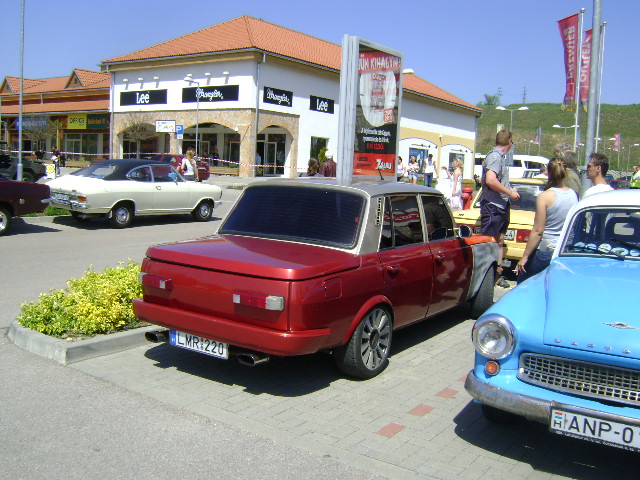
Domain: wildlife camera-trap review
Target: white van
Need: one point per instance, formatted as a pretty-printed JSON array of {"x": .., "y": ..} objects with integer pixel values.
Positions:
[{"x": 521, "y": 163}]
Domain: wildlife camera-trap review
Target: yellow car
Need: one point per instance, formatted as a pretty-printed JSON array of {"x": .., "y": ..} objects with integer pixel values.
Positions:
[{"x": 522, "y": 213}]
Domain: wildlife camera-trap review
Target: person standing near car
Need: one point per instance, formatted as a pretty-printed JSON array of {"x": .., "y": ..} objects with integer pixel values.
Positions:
[
  {"x": 188, "y": 166},
  {"x": 597, "y": 168},
  {"x": 552, "y": 208},
  {"x": 635, "y": 179},
  {"x": 429, "y": 169},
  {"x": 328, "y": 168},
  {"x": 496, "y": 195}
]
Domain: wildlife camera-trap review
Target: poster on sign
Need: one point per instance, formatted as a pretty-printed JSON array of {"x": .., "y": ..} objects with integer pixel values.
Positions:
[
  {"x": 377, "y": 113},
  {"x": 369, "y": 111}
]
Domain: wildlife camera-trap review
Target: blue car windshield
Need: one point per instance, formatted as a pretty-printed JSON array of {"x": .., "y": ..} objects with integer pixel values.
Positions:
[
  {"x": 310, "y": 215},
  {"x": 614, "y": 232}
]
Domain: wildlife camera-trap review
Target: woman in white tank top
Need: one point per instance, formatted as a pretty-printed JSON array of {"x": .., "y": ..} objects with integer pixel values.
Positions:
[{"x": 552, "y": 207}]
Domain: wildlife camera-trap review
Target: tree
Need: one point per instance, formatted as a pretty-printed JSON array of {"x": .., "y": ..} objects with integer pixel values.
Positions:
[
  {"x": 41, "y": 134},
  {"x": 490, "y": 100},
  {"x": 136, "y": 128}
]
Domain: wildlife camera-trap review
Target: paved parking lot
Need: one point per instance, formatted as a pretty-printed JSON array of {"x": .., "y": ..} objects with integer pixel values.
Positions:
[{"x": 413, "y": 421}]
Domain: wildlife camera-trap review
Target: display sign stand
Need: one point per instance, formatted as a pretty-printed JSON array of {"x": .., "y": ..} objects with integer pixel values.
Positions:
[{"x": 369, "y": 114}]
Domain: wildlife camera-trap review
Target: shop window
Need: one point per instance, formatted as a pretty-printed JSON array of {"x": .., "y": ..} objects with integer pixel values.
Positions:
[{"x": 318, "y": 146}]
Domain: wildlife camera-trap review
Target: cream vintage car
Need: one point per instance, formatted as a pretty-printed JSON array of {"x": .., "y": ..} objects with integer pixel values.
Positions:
[{"x": 121, "y": 189}]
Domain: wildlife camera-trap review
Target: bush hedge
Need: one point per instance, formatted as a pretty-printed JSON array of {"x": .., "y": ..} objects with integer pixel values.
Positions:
[{"x": 94, "y": 304}]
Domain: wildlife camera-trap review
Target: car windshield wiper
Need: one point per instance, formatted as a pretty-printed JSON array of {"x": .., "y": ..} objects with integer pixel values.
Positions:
[{"x": 602, "y": 252}]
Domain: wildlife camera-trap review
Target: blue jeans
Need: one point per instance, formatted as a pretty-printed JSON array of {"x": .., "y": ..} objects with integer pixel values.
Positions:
[
  {"x": 428, "y": 178},
  {"x": 537, "y": 263}
]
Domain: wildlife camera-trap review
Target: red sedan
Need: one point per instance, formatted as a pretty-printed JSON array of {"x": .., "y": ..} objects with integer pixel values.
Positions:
[{"x": 301, "y": 266}]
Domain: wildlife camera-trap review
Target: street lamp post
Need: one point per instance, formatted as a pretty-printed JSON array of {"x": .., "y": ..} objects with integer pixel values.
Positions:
[
  {"x": 511, "y": 151},
  {"x": 500, "y": 107},
  {"x": 190, "y": 80},
  {"x": 565, "y": 130}
]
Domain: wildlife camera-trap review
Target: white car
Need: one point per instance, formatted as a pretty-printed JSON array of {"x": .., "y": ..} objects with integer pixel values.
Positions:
[{"x": 122, "y": 189}]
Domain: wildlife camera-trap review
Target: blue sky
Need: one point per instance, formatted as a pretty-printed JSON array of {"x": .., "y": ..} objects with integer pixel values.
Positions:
[{"x": 467, "y": 47}]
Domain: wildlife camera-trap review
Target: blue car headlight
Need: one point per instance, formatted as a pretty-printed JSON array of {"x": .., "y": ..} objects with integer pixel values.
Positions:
[{"x": 493, "y": 336}]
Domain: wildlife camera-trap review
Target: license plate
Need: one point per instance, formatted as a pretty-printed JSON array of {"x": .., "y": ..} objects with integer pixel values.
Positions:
[
  {"x": 595, "y": 429},
  {"x": 199, "y": 344},
  {"x": 60, "y": 196},
  {"x": 510, "y": 235}
]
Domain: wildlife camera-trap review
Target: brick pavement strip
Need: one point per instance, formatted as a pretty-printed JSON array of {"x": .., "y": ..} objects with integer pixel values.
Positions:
[{"x": 306, "y": 403}]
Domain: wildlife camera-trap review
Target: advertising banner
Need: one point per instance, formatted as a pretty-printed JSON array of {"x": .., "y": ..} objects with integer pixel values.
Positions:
[
  {"x": 143, "y": 97},
  {"x": 32, "y": 123},
  {"x": 616, "y": 143},
  {"x": 569, "y": 32},
  {"x": 77, "y": 121},
  {"x": 585, "y": 69},
  {"x": 377, "y": 113},
  {"x": 225, "y": 93}
]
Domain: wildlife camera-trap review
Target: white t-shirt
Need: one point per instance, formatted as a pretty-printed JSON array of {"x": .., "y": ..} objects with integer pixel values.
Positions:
[{"x": 602, "y": 187}]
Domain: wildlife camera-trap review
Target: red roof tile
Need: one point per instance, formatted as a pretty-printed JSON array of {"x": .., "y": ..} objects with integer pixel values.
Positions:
[
  {"x": 246, "y": 32},
  {"x": 61, "y": 107}
]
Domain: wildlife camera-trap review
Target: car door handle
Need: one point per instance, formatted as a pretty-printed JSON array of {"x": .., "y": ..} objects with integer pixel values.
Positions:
[
  {"x": 440, "y": 259},
  {"x": 158, "y": 187},
  {"x": 392, "y": 268}
]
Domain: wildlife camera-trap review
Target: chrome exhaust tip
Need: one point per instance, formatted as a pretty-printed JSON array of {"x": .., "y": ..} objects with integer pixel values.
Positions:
[
  {"x": 159, "y": 336},
  {"x": 252, "y": 359}
]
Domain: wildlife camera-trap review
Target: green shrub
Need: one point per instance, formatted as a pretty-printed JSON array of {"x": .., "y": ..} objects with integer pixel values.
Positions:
[
  {"x": 96, "y": 303},
  {"x": 49, "y": 212}
]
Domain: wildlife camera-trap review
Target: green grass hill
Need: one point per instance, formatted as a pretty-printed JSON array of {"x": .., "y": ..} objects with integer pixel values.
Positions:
[{"x": 622, "y": 119}]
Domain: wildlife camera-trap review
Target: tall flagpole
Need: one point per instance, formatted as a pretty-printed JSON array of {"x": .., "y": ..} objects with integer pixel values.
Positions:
[
  {"x": 576, "y": 136},
  {"x": 603, "y": 27},
  {"x": 593, "y": 86}
]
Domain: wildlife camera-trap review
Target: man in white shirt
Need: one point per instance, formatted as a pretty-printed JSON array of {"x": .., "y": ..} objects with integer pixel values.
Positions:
[{"x": 596, "y": 170}]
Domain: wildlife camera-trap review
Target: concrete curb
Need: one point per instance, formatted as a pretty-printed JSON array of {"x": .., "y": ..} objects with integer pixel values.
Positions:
[{"x": 65, "y": 352}]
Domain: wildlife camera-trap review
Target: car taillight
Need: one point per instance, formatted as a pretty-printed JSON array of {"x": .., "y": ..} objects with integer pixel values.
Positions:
[
  {"x": 259, "y": 300},
  {"x": 155, "y": 281},
  {"x": 523, "y": 235},
  {"x": 82, "y": 198}
]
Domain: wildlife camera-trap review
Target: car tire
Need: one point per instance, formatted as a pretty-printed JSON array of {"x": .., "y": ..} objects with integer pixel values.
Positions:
[
  {"x": 484, "y": 298},
  {"x": 496, "y": 415},
  {"x": 5, "y": 220},
  {"x": 28, "y": 177},
  {"x": 121, "y": 216},
  {"x": 203, "y": 212},
  {"x": 367, "y": 353}
]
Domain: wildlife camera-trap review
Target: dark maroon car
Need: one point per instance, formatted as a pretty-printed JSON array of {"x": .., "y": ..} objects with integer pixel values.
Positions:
[
  {"x": 176, "y": 160},
  {"x": 20, "y": 198}
]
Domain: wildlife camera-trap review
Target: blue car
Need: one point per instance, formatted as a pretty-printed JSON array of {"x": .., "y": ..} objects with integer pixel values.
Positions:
[{"x": 563, "y": 348}]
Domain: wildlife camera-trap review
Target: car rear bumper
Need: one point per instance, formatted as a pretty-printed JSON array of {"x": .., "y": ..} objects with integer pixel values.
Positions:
[{"x": 251, "y": 337}]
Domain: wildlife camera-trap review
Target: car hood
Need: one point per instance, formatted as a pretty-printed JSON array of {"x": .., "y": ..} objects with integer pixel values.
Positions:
[
  {"x": 590, "y": 305},
  {"x": 256, "y": 257}
]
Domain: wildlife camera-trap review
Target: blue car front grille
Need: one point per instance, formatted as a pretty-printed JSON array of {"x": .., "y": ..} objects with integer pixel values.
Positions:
[{"x": 581, "y": 378}]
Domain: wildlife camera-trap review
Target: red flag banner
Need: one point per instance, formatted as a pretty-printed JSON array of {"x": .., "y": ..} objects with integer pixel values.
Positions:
[
  {"x": 616, "y": 143},
  {"x": 569, "y": 32},
  {"x": 585, "y": 70}
]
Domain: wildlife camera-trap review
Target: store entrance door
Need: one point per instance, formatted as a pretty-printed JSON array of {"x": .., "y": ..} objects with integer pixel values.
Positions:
[{"x": 270, "y": 151}]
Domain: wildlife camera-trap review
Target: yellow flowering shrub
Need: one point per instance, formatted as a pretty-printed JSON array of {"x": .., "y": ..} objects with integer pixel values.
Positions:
[{"x": 96, "y": 303}]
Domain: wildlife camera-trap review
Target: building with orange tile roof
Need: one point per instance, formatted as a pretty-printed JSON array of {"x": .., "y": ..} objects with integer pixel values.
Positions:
[
  {"x": 264, "y": 98},
  {"x": 79, "y": 103}
]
